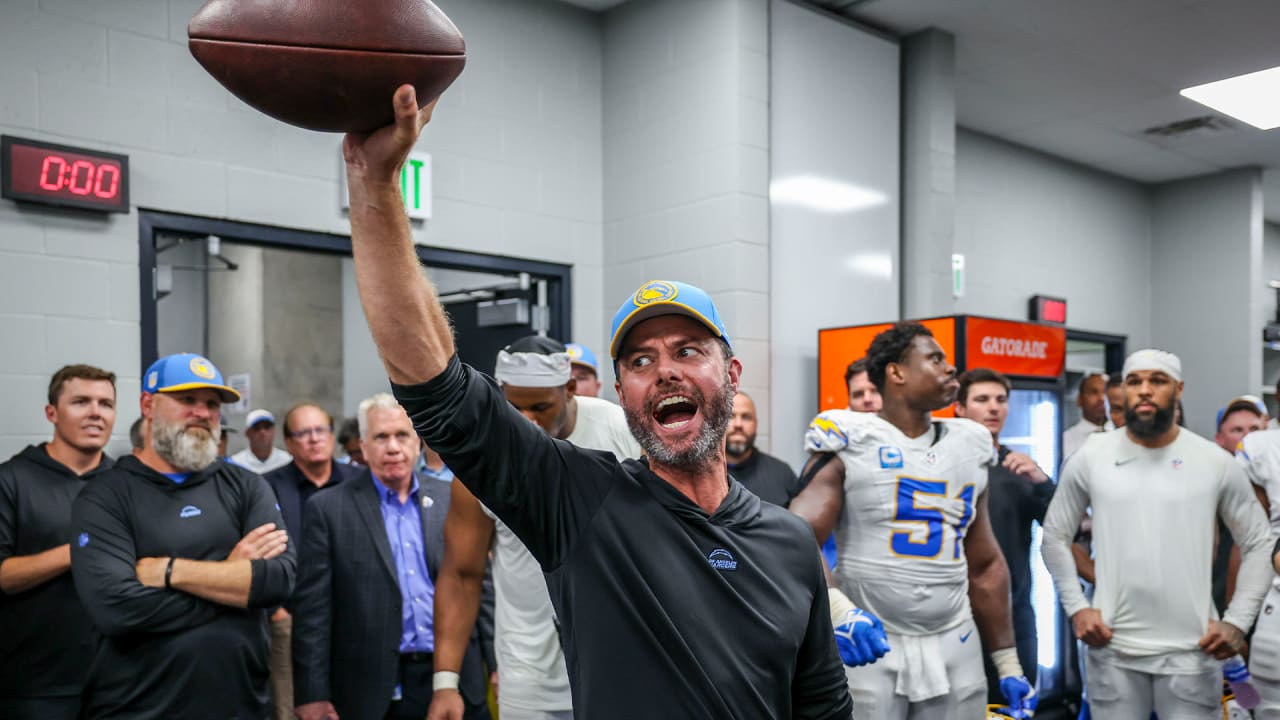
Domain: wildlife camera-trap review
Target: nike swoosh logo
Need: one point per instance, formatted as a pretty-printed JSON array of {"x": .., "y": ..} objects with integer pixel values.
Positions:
[
  {"x": 1122, "y": 461},
  {"x": 965, "y": 637}
]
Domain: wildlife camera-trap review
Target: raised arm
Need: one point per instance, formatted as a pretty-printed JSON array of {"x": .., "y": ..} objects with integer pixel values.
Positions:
[
  {"x": 405, "y": 317},
  {"x": 468, "y": 532}
]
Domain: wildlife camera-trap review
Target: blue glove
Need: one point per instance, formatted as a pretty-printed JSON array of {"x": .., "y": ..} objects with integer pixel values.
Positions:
[
  {"x": 1020, "y": 696},
  {"x": 861, "y": 639}
]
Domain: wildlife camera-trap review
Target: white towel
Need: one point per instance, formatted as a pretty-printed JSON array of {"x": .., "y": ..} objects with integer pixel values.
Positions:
[{"x": 922, "y": 671}]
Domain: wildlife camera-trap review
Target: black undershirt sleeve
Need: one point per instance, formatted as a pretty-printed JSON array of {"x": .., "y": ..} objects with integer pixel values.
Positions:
[
  {"x": 545, "y": 490},
  {"x": 820, "y": 689},
  {"x": 103, "y": 564}
]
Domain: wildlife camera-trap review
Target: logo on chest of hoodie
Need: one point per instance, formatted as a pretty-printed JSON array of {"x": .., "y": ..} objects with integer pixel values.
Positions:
[
  {"x": 189, "y": 511},
  {"x": 722, "y": 559}
]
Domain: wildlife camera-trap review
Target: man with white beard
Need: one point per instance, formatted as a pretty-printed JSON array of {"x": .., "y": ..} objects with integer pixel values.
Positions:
[{"x": 177, "y": 557}]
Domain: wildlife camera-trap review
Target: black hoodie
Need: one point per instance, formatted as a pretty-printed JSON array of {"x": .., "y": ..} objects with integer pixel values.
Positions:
[
  {"x": 164, "y": 653},
  {"x": 667, "y": 611},
  {"x": 46, "y": 640}
]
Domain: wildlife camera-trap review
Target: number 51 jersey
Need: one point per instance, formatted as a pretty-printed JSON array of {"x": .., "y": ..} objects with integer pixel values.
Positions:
[{"x": 907, "y": 505}]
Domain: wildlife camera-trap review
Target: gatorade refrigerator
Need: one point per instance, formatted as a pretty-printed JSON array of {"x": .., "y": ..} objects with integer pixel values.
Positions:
[{"x": 1032, "y": 355}]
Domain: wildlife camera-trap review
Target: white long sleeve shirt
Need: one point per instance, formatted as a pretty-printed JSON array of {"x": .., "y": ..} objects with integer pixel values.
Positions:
[{"x": 1153, "y": 535}]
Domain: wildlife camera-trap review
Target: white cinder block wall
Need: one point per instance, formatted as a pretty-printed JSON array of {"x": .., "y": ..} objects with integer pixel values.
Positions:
[
  {"x": 686, "y": 163},
  {"x": 516, "y": 144}
]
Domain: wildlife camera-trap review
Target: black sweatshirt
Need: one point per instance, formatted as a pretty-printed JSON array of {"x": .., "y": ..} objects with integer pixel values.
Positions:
[
  {"x": 165, "y": 653},
  {"x": 46, "y": 640},
  {"x": 667, "y": 612}
]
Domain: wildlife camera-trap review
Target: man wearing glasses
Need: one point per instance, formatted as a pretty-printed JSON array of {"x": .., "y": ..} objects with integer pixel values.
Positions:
[{"x": 308, "y": 436}]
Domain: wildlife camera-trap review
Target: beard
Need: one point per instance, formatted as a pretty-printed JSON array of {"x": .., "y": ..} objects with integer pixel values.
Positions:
[
  {"x": 1152, "y": 427},
  {"x": 184, "y": 449},
  {"x": 716, "y": 413},
  {"x": 738, "y": 448}
]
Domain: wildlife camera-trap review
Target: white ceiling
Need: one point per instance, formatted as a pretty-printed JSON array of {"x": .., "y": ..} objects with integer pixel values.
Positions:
[{"x": 1082, "y": 79}]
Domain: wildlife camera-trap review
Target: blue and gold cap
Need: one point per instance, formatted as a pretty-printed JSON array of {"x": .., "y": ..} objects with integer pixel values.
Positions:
[
  {"x": 186, "y": 371},
  {"x": 581, "y": 355},
  {"x": 665, "y": 297}
]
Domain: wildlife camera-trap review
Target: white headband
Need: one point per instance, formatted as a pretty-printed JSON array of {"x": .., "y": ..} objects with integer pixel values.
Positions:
[
  {"x": 526, "y": 369},
  {"x": 1151, "y": 359}
]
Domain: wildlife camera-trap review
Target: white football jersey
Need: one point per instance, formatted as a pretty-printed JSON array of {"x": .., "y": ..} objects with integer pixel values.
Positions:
[
  {"x": 1259, "y": 453},
  {"x": 908, "y": 504}
]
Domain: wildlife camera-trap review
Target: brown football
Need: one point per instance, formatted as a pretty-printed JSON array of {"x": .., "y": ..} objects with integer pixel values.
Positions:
[{"x": 328, "y": 65}]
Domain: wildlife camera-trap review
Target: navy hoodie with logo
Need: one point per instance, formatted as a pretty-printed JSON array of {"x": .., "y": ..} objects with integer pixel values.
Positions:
[
  {"x": 667, "y": 611},
  {"x": 165, "y": 653},
  {"x": 46, "y": 640}
]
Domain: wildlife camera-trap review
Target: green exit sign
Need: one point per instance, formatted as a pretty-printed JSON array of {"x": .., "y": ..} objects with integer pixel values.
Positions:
[{"x": 415, "y": 186}]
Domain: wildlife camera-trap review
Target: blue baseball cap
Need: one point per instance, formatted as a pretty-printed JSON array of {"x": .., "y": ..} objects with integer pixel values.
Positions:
[
  {"x": 186, "y": 371},
  {"x": 581, "y": 355},
  {"x": 665, "y": 297},
  {"x": 1244, "y": 402}
]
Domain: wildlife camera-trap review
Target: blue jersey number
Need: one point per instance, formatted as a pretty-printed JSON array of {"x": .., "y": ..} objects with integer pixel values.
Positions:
[{"x": 914, "y": 505}]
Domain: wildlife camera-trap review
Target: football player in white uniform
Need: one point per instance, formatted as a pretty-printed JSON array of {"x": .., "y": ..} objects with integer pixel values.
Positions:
[
  {"x": 1155, "y": 640},
  {"x": 908, "y": 504},
  {"x": 1260, "y": 454}
]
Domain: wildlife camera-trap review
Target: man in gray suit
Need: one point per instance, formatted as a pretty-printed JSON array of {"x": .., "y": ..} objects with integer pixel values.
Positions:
[{"x": 370, "y": 551}]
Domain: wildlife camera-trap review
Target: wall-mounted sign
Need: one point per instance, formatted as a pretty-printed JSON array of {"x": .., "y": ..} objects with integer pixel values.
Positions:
[
  {"x": 1015, "y": 348},
  {"x": 36, "y": 171},
  {"x": 415, "y": 186}
]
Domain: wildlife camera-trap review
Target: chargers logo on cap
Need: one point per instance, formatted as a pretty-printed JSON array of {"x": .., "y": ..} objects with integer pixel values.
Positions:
[
  {"x": 202, "y": 368},
  {"x": 153, "y": 377},
  {"x": 573, "y": 351},
  {"x": 655, "y": 291}
]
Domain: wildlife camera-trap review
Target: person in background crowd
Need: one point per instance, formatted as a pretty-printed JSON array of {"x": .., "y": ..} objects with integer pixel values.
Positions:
[
  {"x": 863, "y": 395},
  {"x": 763, "y": 474},
  {"x": 262, "y": 456},
  {"x": 46, "y": 638},
  {"x": 177, "y": 557},
  {"x": 536, "y": 375},
  {"x": 223, "y": 440},
  {"x": 1154, "y": 640},
  {"x": 1239, "y": 417},
  {"x": 363, "y": 640},
  {"x": 1092, "y": 401},
  {"x": 138, "y": 435},
  {"x": 349, "y": 442},
  {"x": 308, "y": 436},
  {"x": 1115, "y": 401},
  {"x": 586, "y": 371},
  {"x": 1018, "y": 494}
]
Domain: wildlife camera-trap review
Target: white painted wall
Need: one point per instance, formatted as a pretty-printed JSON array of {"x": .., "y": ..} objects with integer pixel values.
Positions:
[
  {"x": 686, "y": 89},
  {"x": 1207, "y": 289},
  {"x": 516, "y": 145},
  {"x": 827, "y": 268},
  {"x": 1029, "y": 223}
]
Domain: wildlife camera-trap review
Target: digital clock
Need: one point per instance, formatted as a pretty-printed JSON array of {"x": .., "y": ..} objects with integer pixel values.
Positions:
[{"x": 43, "y": 172}]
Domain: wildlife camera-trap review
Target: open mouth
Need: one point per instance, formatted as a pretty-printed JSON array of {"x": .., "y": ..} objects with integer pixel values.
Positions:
[{"x": 675, "y": 412}]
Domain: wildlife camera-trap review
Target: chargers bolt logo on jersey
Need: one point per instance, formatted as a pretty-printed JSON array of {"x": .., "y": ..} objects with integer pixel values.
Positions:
[
  {"x": 201, "y": 368},
  {"x": 84, "y": 540},
  {"x": 722, "y": 559},
  {"x": 189, "y": 511},
  {"x": 655, "y": 291},
  {"x": 828, "y": 429},
  {"x": 890, "y": 457}
]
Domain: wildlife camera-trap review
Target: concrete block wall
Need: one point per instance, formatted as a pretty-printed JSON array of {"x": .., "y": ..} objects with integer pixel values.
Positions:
[
  {"x": 686, "y": 165},
  {"x": 516, "y": 146}
]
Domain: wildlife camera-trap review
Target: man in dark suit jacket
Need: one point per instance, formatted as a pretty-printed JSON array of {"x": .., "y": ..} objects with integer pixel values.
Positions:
[{"x": 369, "y": 554}]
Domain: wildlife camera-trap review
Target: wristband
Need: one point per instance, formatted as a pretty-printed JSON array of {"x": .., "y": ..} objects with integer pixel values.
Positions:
[
  {"x": 840, "y": 605},
  {"x": 444, "y": 680},
  {"x": 168, "y": 574},
  {"x": 1006, "y": 662}
]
